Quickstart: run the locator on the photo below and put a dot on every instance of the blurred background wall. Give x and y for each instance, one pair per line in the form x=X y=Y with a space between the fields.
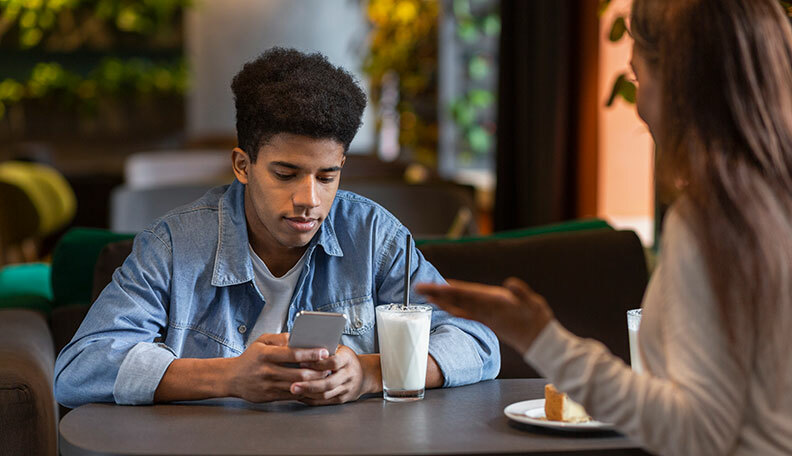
x=221 y=36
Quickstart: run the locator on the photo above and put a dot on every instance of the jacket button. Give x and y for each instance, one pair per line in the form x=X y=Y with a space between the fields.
x=242 y=329
x=358 y=323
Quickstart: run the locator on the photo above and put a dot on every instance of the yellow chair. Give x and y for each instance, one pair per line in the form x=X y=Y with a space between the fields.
x=19 y=222
x=49 y=192
x=35 y=201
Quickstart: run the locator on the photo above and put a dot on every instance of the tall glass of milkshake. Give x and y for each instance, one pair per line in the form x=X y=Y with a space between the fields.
x=404 y=348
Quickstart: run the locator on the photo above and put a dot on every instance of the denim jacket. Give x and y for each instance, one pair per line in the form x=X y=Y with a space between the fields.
x=187 y=291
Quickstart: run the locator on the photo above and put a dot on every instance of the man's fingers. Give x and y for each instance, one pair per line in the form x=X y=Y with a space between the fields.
x=289 y=374
x=326 y=397
x=332 y=363
x=277 y=354
x=281 y=387
x=281 y=339
x=315 y=387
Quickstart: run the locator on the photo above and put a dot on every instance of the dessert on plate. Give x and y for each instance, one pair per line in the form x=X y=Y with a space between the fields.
x=559 y=407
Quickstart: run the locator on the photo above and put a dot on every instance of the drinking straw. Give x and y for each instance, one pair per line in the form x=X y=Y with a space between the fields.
x=408 y=247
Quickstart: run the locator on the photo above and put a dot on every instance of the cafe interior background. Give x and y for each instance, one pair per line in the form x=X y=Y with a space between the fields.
x=487 y=119
x=508 y=106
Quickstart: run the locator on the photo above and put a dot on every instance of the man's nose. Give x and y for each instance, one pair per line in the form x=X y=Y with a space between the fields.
x=306 y=194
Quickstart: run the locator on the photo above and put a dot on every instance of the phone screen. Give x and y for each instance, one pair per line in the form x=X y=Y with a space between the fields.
x=317 y=330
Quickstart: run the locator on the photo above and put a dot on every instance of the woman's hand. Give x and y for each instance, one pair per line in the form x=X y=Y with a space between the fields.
x=514 y=311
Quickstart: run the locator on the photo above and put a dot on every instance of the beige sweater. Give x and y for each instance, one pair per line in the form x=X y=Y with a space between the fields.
x=694 y=400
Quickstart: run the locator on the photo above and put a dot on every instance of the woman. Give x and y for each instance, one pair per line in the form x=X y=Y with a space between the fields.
x=715 y=88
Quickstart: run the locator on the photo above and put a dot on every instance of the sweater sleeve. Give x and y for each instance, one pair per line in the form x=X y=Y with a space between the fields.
x=697 y=406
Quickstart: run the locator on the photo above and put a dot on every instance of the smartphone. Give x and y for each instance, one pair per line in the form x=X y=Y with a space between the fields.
x=317 y=330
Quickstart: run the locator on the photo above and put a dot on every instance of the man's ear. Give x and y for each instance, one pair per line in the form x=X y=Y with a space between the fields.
x=240 y=163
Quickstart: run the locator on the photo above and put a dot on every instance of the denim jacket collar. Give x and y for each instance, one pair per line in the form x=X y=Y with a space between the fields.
x=232 y=265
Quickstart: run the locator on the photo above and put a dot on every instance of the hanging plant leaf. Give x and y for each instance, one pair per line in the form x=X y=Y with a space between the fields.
x=480 y=98
x=463 y=113
x=492 y=25
x=461 y=8
x=617 y=29
x=479 y=139
x=467 y=31
x=478 y=68
x=622 y=88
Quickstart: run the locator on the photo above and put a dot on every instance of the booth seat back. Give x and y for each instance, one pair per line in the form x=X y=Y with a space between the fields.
x=28 y=412
x=73 y=263
x=589 y=278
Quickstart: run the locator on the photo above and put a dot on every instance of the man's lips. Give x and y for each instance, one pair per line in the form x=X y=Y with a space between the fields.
x=301 y=224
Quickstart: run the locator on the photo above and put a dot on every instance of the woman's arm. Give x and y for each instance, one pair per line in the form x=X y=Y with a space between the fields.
x=696 y=408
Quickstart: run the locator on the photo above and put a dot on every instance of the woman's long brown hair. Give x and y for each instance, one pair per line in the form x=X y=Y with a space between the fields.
x=725 y=143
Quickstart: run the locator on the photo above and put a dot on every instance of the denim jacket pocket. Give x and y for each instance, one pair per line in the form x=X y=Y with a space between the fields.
x=359 y=314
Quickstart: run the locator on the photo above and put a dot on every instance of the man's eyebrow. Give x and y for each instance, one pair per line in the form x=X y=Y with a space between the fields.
x=284 y=165
x=295 y=167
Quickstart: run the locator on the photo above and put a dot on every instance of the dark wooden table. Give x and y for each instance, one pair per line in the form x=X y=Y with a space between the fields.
x=465 y=420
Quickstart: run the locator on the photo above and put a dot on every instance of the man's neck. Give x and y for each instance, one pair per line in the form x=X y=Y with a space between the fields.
x=279 y=261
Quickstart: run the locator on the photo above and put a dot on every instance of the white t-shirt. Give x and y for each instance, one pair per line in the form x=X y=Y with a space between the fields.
x=277 y=292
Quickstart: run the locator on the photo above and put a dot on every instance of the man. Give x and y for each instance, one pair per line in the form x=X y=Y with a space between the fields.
x=199 y=308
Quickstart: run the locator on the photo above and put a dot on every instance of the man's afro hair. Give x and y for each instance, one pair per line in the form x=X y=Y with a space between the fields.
x=287 y=91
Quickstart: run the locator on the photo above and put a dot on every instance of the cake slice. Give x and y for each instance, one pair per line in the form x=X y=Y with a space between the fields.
x=559 y=407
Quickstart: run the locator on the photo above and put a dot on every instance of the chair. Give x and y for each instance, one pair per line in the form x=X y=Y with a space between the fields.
x=35 y=201
x=429 y=210
x=73 y=262
x=28 y=411
x=19 y=223
x=367 y=166
x=133 y=209
x=26 y=286
x=47 y=189
x=167 y=168
x=589 y=278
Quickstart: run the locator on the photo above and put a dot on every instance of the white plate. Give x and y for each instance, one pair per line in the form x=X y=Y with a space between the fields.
x=532 y=412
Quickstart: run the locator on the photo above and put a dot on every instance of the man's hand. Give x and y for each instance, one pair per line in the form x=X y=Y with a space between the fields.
x=350 y=377
x=258 y=374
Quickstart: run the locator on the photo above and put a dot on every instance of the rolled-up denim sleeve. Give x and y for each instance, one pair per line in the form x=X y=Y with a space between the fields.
x=114 y=356
x=466 y=351
x=141 y=372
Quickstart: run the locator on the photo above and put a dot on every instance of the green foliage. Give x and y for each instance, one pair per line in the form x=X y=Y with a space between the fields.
x=624 y=88
x=112 y=78
x=98 y=24
x=61 y=27
x=469 y=110
x=617 y=29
